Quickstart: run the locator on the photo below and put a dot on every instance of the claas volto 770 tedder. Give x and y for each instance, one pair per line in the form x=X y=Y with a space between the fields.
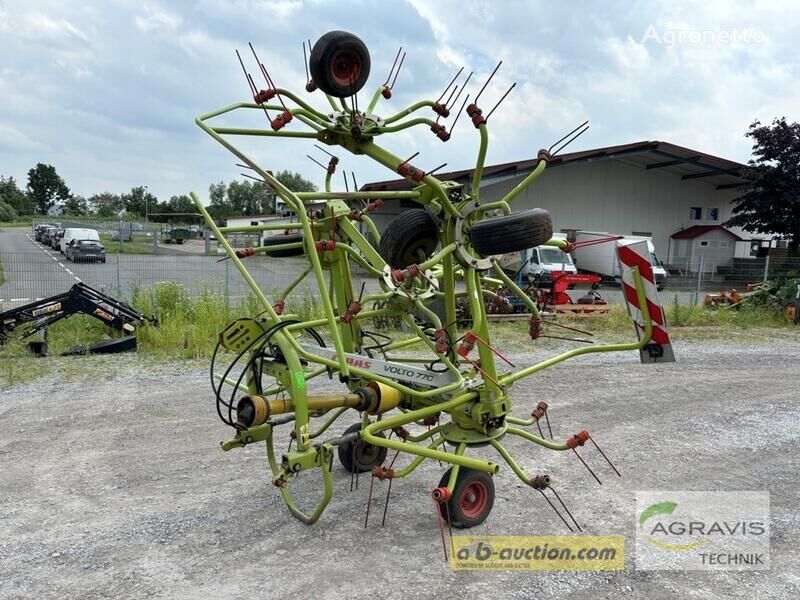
x=439 y=393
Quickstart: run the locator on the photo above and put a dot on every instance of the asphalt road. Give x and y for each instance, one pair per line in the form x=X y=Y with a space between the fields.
x=36 y=271
x=33 y=270
x=114 y=486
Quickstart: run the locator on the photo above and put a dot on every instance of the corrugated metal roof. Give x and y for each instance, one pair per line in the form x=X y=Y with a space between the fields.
x=686 y=163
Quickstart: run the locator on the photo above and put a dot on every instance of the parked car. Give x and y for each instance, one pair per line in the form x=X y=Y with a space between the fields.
x=46 y=235
x=124 y=233
x=55 y=238
x=77 y=233
x=39 y=231
x=85 y=251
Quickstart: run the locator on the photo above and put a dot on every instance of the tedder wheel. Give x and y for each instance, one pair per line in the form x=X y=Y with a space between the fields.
x=339 y=64
x=472 y=499
x=410 y=238
x=284 y=238
x=358 y=456
x=510 y=233
x=791 y=311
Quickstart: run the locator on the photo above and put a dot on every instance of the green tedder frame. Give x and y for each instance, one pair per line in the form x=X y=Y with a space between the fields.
x=467 y=399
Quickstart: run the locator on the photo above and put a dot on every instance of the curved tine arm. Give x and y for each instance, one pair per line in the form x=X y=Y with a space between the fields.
x=520 y=187
x=301 y=103
x=408 y=111
x=536 y=439
x=475 y=190
x=404 y=125
x=375 y=98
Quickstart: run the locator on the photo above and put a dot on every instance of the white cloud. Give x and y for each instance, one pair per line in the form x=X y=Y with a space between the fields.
x=111 y=93
x=156 y=19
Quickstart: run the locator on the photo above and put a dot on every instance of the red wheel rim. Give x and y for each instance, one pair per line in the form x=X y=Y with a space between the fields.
x=474 y=499
x=346 y=67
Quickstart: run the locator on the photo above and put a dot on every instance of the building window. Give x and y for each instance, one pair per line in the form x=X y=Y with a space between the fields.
x=712 y=214
x=704 y=243
x=695 y=213
x=723 y=243
x=642 y=233
x=253 y=223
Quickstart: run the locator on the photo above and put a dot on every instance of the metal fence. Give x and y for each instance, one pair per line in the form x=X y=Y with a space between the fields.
x=33 y=273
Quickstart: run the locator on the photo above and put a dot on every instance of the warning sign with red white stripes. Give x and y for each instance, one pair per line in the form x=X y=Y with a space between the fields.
x=637 y=254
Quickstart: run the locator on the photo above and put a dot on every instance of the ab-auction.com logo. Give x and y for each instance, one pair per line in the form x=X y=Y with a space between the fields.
x=703 y=530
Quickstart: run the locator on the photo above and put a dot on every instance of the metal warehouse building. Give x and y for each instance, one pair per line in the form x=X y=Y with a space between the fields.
x=650 y=188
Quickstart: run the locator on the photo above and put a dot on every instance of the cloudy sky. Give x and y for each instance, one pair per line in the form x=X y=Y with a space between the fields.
x=107 y=91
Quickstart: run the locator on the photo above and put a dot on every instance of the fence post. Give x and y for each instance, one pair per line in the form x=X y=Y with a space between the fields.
x=766 y=267
x=227 y=291
x=119 y=284
x=699 y=280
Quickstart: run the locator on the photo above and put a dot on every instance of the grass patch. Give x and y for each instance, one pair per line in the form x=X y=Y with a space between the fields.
x=18 y=223
x=189 y=328
x=135 y=246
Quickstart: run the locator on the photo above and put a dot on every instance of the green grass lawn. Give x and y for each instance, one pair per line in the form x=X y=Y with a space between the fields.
x=138 y=245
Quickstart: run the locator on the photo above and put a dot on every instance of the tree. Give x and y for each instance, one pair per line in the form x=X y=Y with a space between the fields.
x=106 y=204
x=138 y=202
x=7 y=212
x=45 y=186
x=181 y=204
x=14 y=197
x=76 y=206
x=771 y=202
x=218 y=206
x=247 y=198
x=295 y=181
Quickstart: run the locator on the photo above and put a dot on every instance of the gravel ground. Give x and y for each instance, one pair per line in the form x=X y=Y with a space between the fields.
x=116 y=487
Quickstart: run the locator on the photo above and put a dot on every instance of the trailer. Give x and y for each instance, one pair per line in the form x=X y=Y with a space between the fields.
x=601 y=259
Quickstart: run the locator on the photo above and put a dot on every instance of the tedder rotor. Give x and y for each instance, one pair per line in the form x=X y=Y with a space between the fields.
x=456 y=384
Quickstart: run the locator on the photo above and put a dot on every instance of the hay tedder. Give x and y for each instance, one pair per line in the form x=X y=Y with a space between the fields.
x=434 y=395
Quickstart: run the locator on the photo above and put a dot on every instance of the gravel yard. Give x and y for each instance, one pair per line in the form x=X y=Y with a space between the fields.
x=113 y=484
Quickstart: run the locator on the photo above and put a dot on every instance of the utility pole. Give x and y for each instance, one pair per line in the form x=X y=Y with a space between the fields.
x=145 y=203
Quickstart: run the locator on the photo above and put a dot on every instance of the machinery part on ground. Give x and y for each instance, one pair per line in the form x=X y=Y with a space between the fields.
x=339 y=64
x=471 y=499
x=722 y=299
x=511 y=233
x=26 y=320
x=409 y=238
x=357 y=456
x=123 y=344
x=279 y=240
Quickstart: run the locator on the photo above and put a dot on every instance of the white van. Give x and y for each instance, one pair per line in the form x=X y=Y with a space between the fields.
x=539 y=263
x=76 y=233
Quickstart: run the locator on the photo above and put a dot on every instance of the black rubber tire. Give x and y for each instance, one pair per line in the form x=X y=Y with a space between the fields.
x=359 y=457
x=791 y=311
x=339 y=64
x=410 y=238
x=472 y=499
x=284 y=238
x=511 y=233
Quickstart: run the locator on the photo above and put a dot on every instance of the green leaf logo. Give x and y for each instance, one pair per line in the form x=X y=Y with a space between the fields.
x=665 y=508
